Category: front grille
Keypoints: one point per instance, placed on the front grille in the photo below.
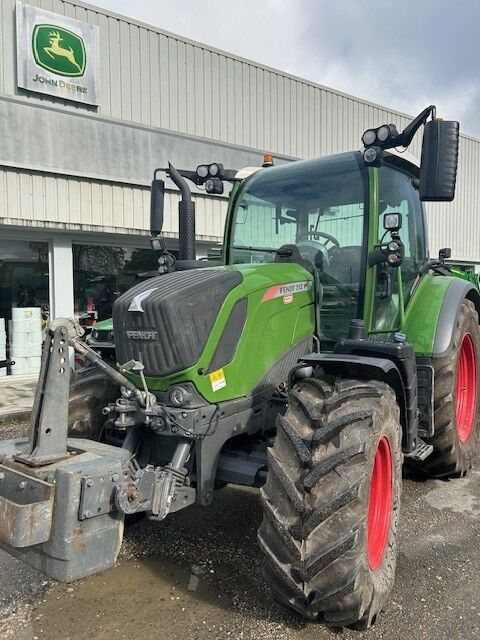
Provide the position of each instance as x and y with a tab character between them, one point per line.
167	327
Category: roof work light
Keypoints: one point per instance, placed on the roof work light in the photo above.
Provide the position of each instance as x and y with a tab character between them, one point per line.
387	137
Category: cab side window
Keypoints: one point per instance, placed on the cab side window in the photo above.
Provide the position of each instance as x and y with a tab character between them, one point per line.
397	194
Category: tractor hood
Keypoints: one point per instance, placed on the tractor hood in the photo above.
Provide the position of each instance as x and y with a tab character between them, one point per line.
240	319
165	321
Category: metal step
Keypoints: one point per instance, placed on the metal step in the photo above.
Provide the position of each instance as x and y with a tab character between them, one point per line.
421	452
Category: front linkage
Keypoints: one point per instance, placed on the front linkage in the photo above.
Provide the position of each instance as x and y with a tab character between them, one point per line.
58	494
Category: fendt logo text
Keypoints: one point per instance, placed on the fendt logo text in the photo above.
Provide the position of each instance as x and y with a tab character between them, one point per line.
59	50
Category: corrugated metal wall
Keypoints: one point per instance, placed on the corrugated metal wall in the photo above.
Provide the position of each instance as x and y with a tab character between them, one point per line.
75	203
158	79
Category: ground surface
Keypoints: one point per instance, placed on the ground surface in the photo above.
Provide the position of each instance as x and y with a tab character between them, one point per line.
16	396
437	593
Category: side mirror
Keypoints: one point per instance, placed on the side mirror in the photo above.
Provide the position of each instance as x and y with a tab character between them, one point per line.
157	197
445	254
438	169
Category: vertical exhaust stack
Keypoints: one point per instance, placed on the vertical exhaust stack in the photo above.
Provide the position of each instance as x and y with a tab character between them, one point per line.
186	217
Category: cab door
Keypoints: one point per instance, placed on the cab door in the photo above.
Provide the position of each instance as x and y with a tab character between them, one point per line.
397	193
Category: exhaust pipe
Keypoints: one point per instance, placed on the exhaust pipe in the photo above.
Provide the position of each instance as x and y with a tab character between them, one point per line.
186	217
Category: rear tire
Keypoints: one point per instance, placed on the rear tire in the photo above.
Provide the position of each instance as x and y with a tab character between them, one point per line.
457	400
329	544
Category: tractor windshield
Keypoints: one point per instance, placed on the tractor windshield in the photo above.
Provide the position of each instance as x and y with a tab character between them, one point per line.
321	207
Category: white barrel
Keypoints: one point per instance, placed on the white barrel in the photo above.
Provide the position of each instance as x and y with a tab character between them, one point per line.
33	364
35	337
18	350
27	325
34	350
26	313
26	319
20	367
19	339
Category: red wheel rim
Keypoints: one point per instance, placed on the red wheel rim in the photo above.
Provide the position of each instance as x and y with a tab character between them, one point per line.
380	504
466	389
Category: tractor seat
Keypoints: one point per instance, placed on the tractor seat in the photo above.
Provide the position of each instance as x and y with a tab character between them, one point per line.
291	253
345	264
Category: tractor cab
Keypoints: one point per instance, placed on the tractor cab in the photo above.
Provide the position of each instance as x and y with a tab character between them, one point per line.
325	214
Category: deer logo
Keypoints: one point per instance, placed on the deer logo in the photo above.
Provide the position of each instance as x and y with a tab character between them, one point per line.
55	49
59	50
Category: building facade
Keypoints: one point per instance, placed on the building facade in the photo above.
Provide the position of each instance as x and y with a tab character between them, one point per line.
91	102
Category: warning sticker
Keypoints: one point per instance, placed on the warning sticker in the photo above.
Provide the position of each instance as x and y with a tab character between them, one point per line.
287	289
217	380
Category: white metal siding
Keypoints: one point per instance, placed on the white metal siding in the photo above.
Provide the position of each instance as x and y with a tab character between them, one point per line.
73	203
158	79
456	224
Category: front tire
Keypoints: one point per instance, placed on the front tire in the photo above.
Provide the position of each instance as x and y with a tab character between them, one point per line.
457	400
90	391
331	501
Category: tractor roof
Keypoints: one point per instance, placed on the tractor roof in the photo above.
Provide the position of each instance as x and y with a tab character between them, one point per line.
405	157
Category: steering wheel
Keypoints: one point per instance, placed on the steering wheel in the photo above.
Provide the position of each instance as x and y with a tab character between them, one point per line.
310	248
314	235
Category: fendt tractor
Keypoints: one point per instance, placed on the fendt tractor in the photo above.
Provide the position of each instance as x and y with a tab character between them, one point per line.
321	353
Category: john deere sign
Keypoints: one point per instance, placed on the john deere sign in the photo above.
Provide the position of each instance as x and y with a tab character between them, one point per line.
57	55
59	50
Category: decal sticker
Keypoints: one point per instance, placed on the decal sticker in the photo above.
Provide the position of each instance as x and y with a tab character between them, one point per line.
217	380
136	303
287	289
288	298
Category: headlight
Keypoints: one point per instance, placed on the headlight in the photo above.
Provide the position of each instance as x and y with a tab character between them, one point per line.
202	171
393	259
383	133
214	185
392	221
370	155
179	396
213	169
369	137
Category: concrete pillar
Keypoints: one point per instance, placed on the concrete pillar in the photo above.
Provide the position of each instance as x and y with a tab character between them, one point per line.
61	278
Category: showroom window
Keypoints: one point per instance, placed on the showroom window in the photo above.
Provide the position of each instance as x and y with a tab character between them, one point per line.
101	273
24	303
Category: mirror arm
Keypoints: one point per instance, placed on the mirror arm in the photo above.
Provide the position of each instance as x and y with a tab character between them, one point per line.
406	137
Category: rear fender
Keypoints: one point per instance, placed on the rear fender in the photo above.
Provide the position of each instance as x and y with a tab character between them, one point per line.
431	312
458	290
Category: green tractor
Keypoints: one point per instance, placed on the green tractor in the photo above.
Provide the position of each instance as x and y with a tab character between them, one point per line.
322	352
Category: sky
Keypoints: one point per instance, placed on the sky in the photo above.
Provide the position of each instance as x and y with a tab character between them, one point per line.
404	55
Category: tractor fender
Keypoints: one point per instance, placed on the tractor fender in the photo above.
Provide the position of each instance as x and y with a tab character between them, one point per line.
457	291
365	368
